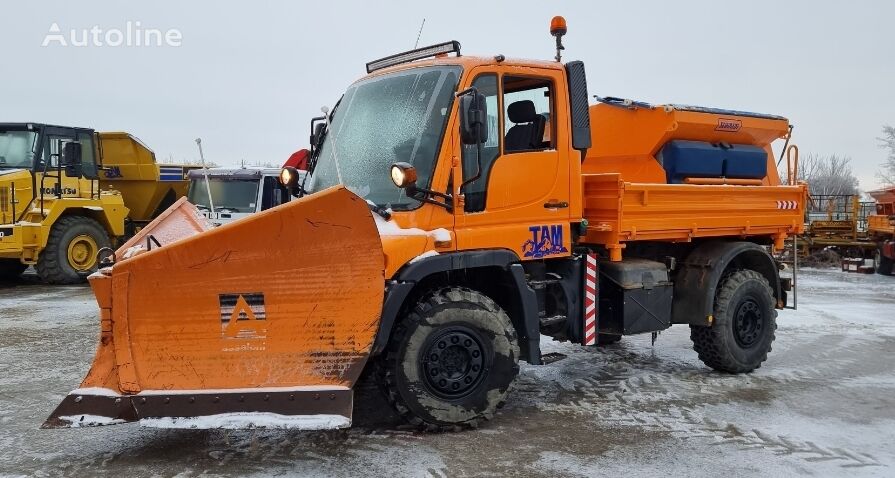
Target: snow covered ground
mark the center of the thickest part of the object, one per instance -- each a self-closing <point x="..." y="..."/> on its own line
<point x="822" y="405"/>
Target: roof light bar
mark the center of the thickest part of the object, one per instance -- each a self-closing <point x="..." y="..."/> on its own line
<point x="418" y="54"/>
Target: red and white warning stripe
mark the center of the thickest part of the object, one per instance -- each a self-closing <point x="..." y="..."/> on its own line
<point x="787" y="205"/>
<point x="590" y="300"/>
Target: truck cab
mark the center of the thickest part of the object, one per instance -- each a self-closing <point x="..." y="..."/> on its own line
<point x="226" y="194"/>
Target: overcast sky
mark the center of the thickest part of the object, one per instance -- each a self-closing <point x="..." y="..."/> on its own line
<point x="248" y="76"/>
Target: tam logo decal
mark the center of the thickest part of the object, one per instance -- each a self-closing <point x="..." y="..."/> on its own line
<point x="545" y="241"/>
<point x="729" y="125"/>
<point x="243" y="316"/>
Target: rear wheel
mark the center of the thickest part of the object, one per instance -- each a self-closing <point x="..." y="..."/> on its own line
<point x="11" y="269"/>
<point x="740" y="337"/>
<point x="70" y="255"/>
<point x="884" y="265"/>
<point x="450" y="361"/>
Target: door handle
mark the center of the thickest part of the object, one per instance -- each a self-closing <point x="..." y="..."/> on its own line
<point x="556" y="205"/>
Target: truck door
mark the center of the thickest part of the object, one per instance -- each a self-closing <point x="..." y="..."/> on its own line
<point x="520" y="200"/>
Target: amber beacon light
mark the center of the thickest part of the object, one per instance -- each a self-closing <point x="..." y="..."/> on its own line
<point x="558" y="29"/>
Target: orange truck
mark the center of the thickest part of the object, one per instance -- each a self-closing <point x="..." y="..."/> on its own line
<point x="458" y="210"/>
<point x="881" y="229"/>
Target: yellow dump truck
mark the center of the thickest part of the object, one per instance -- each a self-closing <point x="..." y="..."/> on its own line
<point x="65" y="193"/>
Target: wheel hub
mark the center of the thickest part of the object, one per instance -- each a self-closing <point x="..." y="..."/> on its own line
<point x="748" y="323"/>
<point x="454" y="363"/>
<point x="82" y="253"/>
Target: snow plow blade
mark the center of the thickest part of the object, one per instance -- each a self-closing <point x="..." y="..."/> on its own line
<point x="264" y="322"/>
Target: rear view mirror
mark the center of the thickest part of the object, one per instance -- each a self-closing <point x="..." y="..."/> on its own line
<point x="473" y="118"/>
<point x="317" y="134"/>
<point x="71" y="159"/>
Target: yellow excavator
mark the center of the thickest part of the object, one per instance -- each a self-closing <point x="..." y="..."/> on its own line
<point x="66" y="193"/>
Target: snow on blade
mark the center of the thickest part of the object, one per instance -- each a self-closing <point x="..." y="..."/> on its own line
<point x="95" y="391"/>
<point x="79" y="421"/>
<point x="232" y="421"/>
<point x="209" y="391"/>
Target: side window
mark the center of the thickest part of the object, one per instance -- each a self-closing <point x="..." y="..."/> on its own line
<point x="528" y="103"/>
<point x="475" y="191"/>
<point x="53" y="152"/>
<point x="88" y="156"/>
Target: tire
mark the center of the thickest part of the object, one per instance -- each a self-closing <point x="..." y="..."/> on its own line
<point x="604" y="339"/>
<point x="740" y="337"/>
<point x="450" y="361"/>
<point x="884" y="265"/>
<point x="11" y="269"/>
<point x="70" y="255"/>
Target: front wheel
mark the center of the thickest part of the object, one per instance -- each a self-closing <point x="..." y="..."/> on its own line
<point x="740" y="337"/>
<point x="450" y="361"/>
<point x="72" y="247"/>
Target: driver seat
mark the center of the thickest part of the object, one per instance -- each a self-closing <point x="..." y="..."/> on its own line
<point x="527" y="132"/>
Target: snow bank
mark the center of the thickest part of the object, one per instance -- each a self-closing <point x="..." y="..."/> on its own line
<point x="251" y="420"/>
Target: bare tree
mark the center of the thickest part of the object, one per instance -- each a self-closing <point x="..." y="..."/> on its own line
<point x="887" y="141"/>
<point x="827" y="175"/>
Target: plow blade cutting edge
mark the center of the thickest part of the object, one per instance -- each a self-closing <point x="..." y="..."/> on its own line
<point x="263" y="322"/>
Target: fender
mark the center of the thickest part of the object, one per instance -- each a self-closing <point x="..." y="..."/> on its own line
<point x="699" y="275"/>
<point x="524" y="317"/>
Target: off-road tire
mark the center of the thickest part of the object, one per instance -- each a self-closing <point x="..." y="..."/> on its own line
<point x="607" y="339"/>
<point x="11" y="269"/>
<point x="421" y="343"/>
<point x="884" y="265"/>
<point x="53" y="265"/>
<point x="745" y="294"/>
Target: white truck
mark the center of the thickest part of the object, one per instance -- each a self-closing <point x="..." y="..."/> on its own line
<point x="226" y="194"/>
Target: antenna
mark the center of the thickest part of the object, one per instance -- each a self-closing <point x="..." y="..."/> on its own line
<point x="415" y="45"/>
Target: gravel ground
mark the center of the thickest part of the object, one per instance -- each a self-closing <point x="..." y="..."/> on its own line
<point x="822" y="404"/>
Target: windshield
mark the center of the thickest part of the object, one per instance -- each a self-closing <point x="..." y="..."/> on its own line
<point x="228" y="195"/>
<point x="17" y="149"/>
<point x="381" y="121"/>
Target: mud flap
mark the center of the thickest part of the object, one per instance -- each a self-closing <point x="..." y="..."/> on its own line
<point x="266" y="321"/>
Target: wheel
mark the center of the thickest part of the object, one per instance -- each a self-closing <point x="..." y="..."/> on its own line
<point x="450" y="361"/>
<point x="70" y="255"/>
<point x="740" y="337"/>
<point x="605" y="339"/>
<point x="884" y="265"/>
<point x="11" y="269"/>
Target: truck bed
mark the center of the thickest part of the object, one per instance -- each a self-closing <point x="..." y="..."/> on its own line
<point x="619" y="211"/>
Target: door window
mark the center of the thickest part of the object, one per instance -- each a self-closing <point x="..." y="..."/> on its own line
<point x="528" y="104"/>
<point x="475" y="190"/>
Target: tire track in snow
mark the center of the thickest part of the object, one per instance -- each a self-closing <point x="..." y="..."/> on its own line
<point x="624" y="388"/>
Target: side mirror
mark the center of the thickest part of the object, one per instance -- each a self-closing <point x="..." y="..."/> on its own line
<point x="473" y="118"/>
<point x="71" y="159"/>
<point x="404" y="176"/>
<point x="317" y="134"/>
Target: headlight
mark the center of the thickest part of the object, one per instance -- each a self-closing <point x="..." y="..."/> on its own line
<point x="403" y="175"/>
<point x="288" y="176"/>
